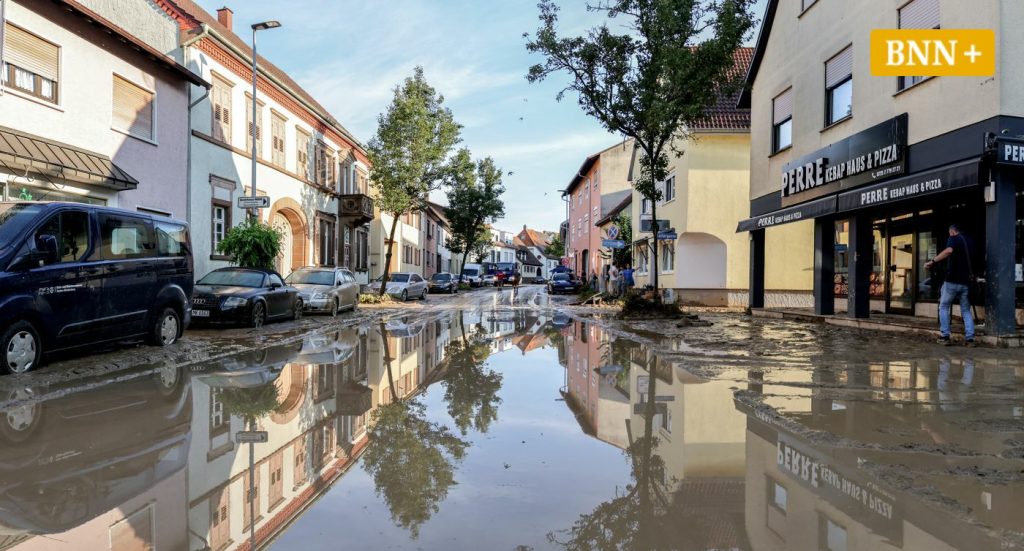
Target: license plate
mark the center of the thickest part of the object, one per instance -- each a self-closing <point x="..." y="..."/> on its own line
<point x="200" y="313"/>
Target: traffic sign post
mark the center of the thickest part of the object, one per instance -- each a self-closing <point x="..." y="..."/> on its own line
<point x="250" y="203"/>
<point x="613" y="232"/>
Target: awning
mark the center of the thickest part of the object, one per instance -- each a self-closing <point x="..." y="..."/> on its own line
<point x="796" y="213"/>
<point x="26" y="152"/>
<point x="946" y="178"/>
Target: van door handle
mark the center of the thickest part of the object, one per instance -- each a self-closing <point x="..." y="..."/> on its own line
<point x="113" y="268"/>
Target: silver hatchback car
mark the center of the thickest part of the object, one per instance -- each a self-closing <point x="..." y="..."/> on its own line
<point x="325" y="289"/>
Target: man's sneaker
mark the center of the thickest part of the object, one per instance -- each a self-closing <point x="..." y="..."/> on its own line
<point x="944" y="341"/>
<point x="969" y="343"/>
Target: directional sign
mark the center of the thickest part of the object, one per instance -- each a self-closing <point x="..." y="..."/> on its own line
<point x="613" y="243"/>
<point x="251" y="437"/>
<point x="246" y="202"/>
<point x="613" y="232"/>
<point x="667" y="235"/>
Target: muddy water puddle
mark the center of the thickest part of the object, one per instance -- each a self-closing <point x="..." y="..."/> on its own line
<point x="526" y="429"/>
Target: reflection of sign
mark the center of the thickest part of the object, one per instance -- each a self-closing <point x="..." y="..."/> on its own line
<point x="864" y="501"/>
<point x="664" y="398"/>
<point x="613" y="243"/>
<point x="251" y="437"/>
<point x="641" y="384"/>
<point x="261" y="202"/>
<point x="613" y="232"/>
<point x="660" y="408"/>
<point x="606" y="369"/>
<point x="871" y="155"/>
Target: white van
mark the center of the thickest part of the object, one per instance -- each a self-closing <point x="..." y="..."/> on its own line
<point x="471" y="273"/>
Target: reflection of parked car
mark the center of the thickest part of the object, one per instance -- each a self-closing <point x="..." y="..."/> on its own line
<point x="328" y="348"/>
<point x="328" y="290"/>
<point x="563" y="283"/>
<point x="76" y="275"/>
<point x="443" y="283"/>
<point x="90" y="450"/>
<point x="401" y="285"/>
<point x="244" y="296"/>
<point x="249" y="369"/>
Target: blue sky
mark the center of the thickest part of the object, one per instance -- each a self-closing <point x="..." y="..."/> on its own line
<point x="351" y="54"/>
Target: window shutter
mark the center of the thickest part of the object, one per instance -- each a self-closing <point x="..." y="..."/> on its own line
<point x="920" y="14"/>
<point x="782" y="107"/>
<point x="839" y="67"/>
<point x="30" y="52"/>
<point x="133" y="108"/>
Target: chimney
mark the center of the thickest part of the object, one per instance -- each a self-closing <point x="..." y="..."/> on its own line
<point x="524" y="227"/>
<point x="224" y="17"/>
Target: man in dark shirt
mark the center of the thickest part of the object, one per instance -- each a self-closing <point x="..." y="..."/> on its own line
<point x="956" y="288"/>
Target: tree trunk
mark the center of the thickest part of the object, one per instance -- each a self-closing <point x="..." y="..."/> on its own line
<point x="465" y="256"/>
<point x="387" y="257"/>
<point x="654" y="254"/>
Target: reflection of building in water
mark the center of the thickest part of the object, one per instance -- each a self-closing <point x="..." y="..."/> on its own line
<point x="325" y="392"/>
<point x="121" y="488"/>
<point x="807" y="495"/>
<point x="698" y="436"/>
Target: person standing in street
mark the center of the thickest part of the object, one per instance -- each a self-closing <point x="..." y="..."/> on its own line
<point x="627" y="279"/>
<point x="613" y="280"/>
<point x="956" y="288"/>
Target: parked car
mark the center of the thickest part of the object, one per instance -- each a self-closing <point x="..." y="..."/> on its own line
<point x="563" y="283"/>
<point x="402" y="285"/>
<point x="325" y="290"/>
<point x="74" y="275"/>
<point x="472" y="274"/>
<point x="507" y="274"/>
<point x="244" y="296"/>
<point x="488" y="280"/>
<point x="443" y="282"/>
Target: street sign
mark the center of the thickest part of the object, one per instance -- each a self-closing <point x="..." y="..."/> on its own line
<point x="613" y="232"/>
<point x="566" y="261"/>
<point x="251" y="437"/>
<point x="667" y="235"/>
<point x="646" y="225"/>
<point x="613" y="243"/>
<point x="246" y="202"/>
<point x="664" y="398"/>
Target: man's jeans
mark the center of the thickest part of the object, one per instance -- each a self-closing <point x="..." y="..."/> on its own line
<point x="953" y="292"/>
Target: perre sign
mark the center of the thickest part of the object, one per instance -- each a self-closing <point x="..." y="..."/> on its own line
<point x="1009" y="151"/>
<point x="874" y="154"/>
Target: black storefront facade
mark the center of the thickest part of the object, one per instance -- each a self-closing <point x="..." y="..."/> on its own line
<point x="881" y="209"/>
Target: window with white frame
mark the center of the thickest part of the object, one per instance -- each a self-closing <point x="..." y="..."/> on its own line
<point x="220" y="100"/>
<point x="277" y="126"/>
<point x="839" y="86"/>
<point x="917" y="14"/>
<point x="668" y="257"/>
<point x="133" y="109"/>
<point x="645" y="206"/>
<point x="670" y="188"/>
<point x="220" y="222"/>
<point x="782" y="121"/>
<point x="31" y="64"/>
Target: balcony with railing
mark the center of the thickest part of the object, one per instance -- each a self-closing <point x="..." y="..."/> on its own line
<point x="356" y="208"/>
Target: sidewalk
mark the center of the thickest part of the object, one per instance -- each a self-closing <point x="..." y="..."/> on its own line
<point x="913" y="325"/>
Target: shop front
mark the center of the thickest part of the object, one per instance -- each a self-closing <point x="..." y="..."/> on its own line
<point x="877" y="224"/>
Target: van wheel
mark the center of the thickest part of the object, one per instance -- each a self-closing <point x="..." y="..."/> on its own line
<point x="259" y="315"/>
<point x="166" y="328"/>
<point x="20" y="422"/>
<point x="21" y="348"/>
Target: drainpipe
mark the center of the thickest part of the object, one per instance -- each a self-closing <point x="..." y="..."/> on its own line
<point x="186" y="51"/>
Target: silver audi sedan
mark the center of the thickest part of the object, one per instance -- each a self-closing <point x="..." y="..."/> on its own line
<point x="325" y="290"/>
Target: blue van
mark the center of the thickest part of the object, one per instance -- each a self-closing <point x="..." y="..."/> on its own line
<point x="74" y="275"/>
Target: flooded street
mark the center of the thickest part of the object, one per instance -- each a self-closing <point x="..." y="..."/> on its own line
<point x="499" y="423"/>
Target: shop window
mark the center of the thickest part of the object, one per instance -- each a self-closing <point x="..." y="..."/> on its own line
<point x="879" y="257"/>
<point x="841" y="279"/>
<point x="929" y="282"/>
<point x="782" y="121"/>
<point x="839" y="86"/>
<point x="1019" y="268"/>
<point x="918" y="14"/>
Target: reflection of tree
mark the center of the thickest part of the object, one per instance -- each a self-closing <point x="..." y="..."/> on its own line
<point x="628" y="521"/>
<point x="412" y="462"/>
<point x="470" y="389"/>
<point x="250" y="403"/>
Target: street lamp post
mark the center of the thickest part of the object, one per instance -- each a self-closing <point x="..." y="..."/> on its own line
<point x="255" y="110"/>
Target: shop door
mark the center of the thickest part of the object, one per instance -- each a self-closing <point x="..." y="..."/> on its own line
<point x="901" y="278"/>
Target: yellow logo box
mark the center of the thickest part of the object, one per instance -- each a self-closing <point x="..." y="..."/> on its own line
<point x="933" y="52"/>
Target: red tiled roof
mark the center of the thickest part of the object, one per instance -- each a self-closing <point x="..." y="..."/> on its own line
<point x="201" y="16"/>
<point x="535" y="238"/>
<point x="725" y="115"/>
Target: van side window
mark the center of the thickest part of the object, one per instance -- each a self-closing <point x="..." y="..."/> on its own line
<point x="124" y="237"/>
<point x="71" y="229"/>
<point x="171" y="239"/>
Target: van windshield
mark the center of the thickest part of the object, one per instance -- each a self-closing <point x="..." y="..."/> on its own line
<point x="233" y="278"/>
<point x="470" y="272"/>
<point x="13" y="219"/>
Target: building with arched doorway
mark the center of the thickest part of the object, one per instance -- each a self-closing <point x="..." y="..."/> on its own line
<point x="313" y="171"/>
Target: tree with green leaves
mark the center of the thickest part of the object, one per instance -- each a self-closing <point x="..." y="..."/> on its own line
<point x="654" y="80"/>
<point x="556" y="247"/>
<point x="474" y="199"/>
<point x="409" y="153"/>
<point x="252" y="244"/>
<point x="470" y="388"/>
<point x="623" y="256"/>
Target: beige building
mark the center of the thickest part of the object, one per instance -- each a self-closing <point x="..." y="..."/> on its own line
<point x="876" y="168"/>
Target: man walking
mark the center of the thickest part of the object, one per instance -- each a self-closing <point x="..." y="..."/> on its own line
<point x="959" y="276"/>
<point x="627" y="279"/>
